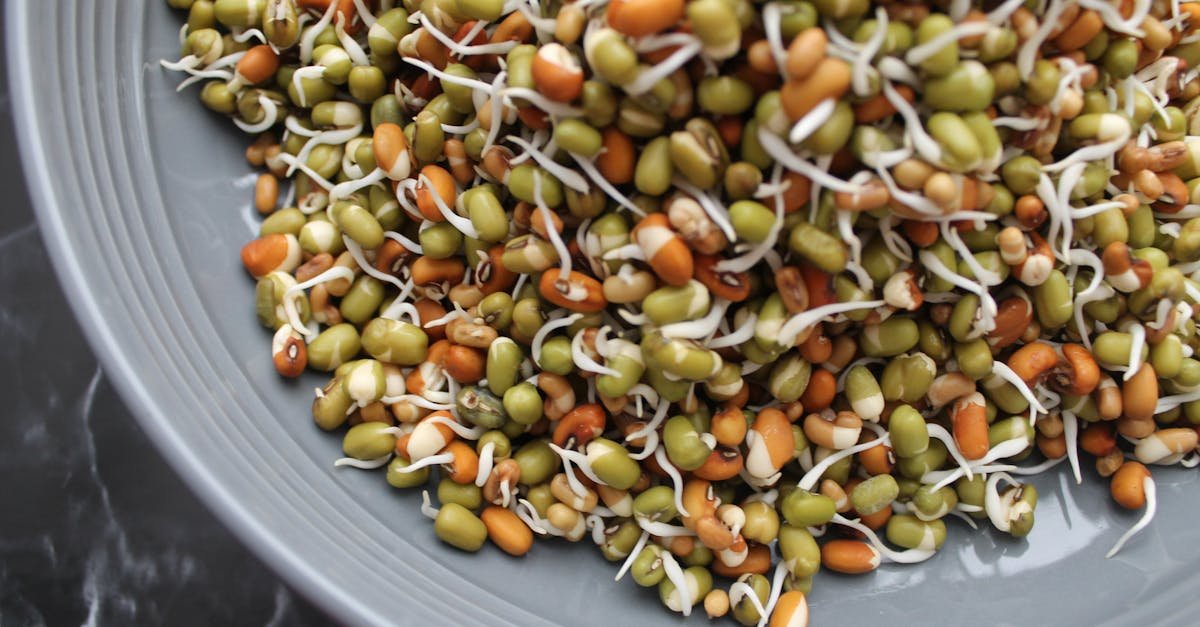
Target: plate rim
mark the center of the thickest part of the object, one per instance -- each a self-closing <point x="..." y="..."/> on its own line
<point x="105" y="343"/>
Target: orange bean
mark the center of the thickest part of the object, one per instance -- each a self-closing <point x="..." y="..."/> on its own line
<point x="732" y="286"/>
<point x="822" y="388"/>
<point x="666" y="252"/>
<point x="537" y="223"/>
<point x="819" y="284"/>
<point x="496" y="161"/>
<point x="266" y="193"/>
<point x="323" y="310"/>
<point x="569" y="24"/>
<point x="728" y="426"/>
<point x="760" y="57"/>
<point x="876" y="460"/>
<point x="582" y="423"/>
<point x="849" y="556"/>
<point x="775" y="430"/>
<point x="431" y="310"/>
<point x="1139" y="394"/>
<point x="1097" y="438"/>
<point x="423" y="87"/>
<point x="1050" y="425"/>
<point x="879" y="107"/>
<point x="617" y="158"/>
<point x="805" y="52"/>
<point x="431" y="50"/>
<point x="920" y="233"/>
<point x="679" y="546"/>
<point x="506" y="530"/>
<point x="791" y="610"/>
<point x="406" y="413"/>
<point x="723" y="463"/>
<point x="840" y="432"/>
<point x="291" y="357"/>
<point x="1052" y="448"/>
<point x="1080" y="374"/>
<point x="256" y="152"/>
<point x="817" y="349"/>
<point x="428" y="437"/>
<point x="948" y="388"/>
<point x="638" y="18"/>
<point x="515" y="27"/>
<point x="969" y="423"/>
<point x="1127" y="486"/>
<point x="492" y="275"/>
<point x="1032" y="361"/>
<point x="697" y="500"/>
<point x="269" y="253"/>
<point x="1030" y="211"/>
<point x="345" y="9"/>
<point x="1127" y="273"/>
<point x="435" y="180"/>
<point x="1011" y="242"/>
<point x="577" y="292"/>
<point x="506" y="471"/>
<point x="402" y="445"/>
<point x="427" y="270"/>
<point x="392" y="153"/>
<point x="1192" y="11"/>
<point x="560" y="397"/>
<point x="845" y="349"/>
<point x="969" y="196"/>
<point x="798" y="192"/>
<point x="829" y="79"/>
<point x="1080" y="32"/>
<point x="465" y="364"/>
<point x="1147" y="183"/>
<point x="436" y="355"/>
<point x="534" y="118"/>
<point x="871" y="195"/>
<point x="758" y="561"/>
<point x="909" y="13"/>
<point x="465" y="466"/>
<point x="1175" y="193"/>
<point x="557" y="73"/>
<point x="878" y="519"/>
<point x="1013" y="316"/>
<point x="1108" y="399"/>
<point x="713" y="534"/>
<point x="389" y="257"/>
<point x="837" y="494"/>
<point x="258" y="64"/>
<point x="475" y="61"/>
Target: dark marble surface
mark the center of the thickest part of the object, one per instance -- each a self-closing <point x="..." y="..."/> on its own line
<point x="95" y="528"/>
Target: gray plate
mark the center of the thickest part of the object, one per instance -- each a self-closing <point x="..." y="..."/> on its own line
<point x="144" y="200"/>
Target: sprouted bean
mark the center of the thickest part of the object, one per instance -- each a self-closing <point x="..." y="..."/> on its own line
<point x="697" y="257"/>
